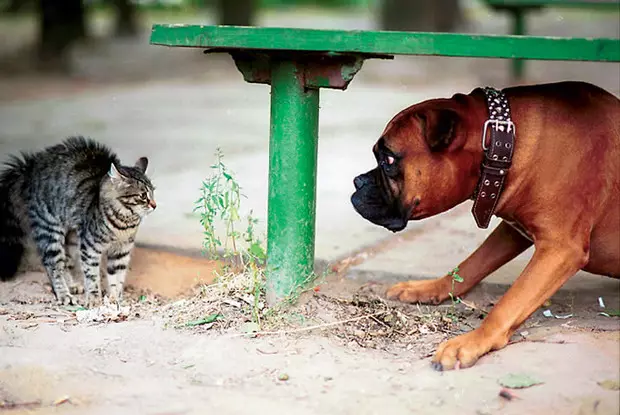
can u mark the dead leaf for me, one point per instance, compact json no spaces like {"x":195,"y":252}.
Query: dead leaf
{"x":22,"y":315}
{"x":249,"y":327}
{"x":518,"y":381}
{"x":103,"y":314}
{"x":612,"y":385}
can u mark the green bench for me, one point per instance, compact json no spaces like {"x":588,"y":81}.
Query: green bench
{"x":519,"y":8}
{"x":297,"y":63}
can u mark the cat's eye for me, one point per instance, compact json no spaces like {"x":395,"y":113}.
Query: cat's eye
{"x":143,"y":196}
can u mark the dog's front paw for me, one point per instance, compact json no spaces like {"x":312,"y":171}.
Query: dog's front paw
{"x":465,"y":350}
{"x":425,"y":291}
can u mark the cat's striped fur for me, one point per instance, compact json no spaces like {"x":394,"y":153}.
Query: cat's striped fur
{"x":78,"y":204}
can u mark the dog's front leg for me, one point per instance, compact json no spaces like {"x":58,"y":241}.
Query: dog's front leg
{"x":501,"y":246}
{"x":552,"y":264}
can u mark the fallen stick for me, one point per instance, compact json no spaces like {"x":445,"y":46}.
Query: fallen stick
{"x":318,"y":326}
{"x":15,"y":405}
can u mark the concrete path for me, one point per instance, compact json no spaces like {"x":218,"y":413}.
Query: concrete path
{"x":178,"y":124}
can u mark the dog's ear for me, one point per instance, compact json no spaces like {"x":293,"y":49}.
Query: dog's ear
{"x":438,"y":128}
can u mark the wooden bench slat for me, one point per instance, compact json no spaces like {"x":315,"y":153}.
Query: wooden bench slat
{"x":390,"y":43}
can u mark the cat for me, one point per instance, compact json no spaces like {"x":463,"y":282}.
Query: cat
{"x":77,"y":203}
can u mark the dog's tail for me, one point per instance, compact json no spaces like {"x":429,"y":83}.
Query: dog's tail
{"x":11,"y":231}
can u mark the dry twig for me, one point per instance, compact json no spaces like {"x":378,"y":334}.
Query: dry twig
{"x":310,"y":328}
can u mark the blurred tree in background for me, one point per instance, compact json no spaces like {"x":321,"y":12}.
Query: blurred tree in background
{"x":14,"y":6}
{"x":126,"y":23}
{"x":421,"y":15}
{"x":237,"y":12}
{"x":405,"y":15}
{"x":63,"y":22}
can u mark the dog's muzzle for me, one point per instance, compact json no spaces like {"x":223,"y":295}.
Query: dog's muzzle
{"x":374,"y":204}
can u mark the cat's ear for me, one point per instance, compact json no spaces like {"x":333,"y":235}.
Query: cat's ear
{"x":142,"y":164}
{"x":113,"y":173}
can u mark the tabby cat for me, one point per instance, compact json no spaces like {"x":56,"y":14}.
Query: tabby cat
{"x":77,"y":203}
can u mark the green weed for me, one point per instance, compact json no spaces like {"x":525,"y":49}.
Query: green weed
{"x":455,"y":300}
{"x":228,"y":236}
{"x":219,"y":205}
{"x":220,"y":199}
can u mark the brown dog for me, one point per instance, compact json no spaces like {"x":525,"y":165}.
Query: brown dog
{"x":561,"y":192}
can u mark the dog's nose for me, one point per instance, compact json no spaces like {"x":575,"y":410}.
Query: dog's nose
{"x":359,"y":182}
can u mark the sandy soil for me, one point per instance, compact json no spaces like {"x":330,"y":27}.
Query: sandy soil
{"x":143,"y":363}
{"x":178,"y":274}
{"x":51,"y":364}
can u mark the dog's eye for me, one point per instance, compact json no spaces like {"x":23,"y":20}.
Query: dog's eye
{"x":387,"y":161}
{"x":388,"y":164}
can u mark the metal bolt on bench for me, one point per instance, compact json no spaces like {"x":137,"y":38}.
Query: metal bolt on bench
{"x":297,"y":63}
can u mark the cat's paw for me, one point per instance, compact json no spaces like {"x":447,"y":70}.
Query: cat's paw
{"x":93,"y":300}
{"x":115,"y":294}
{"x":76,"y":289}
{"x":66,"y":299}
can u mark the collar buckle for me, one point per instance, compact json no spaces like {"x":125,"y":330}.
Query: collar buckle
{"x":507,"y":124}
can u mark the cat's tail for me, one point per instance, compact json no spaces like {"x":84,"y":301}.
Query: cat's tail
{"x":11,"y":232}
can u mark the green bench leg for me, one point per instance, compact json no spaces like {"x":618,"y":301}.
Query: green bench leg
{"x":291,"y":215}
{"x":293,"y":147}
{"x":518,"y":28}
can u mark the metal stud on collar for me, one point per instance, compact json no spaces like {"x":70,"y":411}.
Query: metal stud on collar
{"x":497,"y":156}
{"x":499,"y":114}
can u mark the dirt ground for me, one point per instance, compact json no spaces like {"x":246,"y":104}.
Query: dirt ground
{"x":341,"y":350}
{"x":365,"y":356}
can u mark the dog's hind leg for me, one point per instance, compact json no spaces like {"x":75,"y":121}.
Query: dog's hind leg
{"x":501,"y":246}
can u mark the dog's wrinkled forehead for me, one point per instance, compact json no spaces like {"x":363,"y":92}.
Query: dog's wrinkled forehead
{"x":381,"y":147}
{"x":402,"y":130}
{"x":430,"y":126}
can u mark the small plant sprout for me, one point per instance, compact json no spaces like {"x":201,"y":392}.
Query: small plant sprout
{"x":219,"y":206}
{"x":220,"y":199}
{"x":455,"y":278}
{"x":220,"y":203}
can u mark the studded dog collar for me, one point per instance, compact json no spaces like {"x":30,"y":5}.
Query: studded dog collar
{"x":498,"y":136}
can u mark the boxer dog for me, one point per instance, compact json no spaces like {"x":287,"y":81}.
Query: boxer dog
{"x":544,"y":158}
